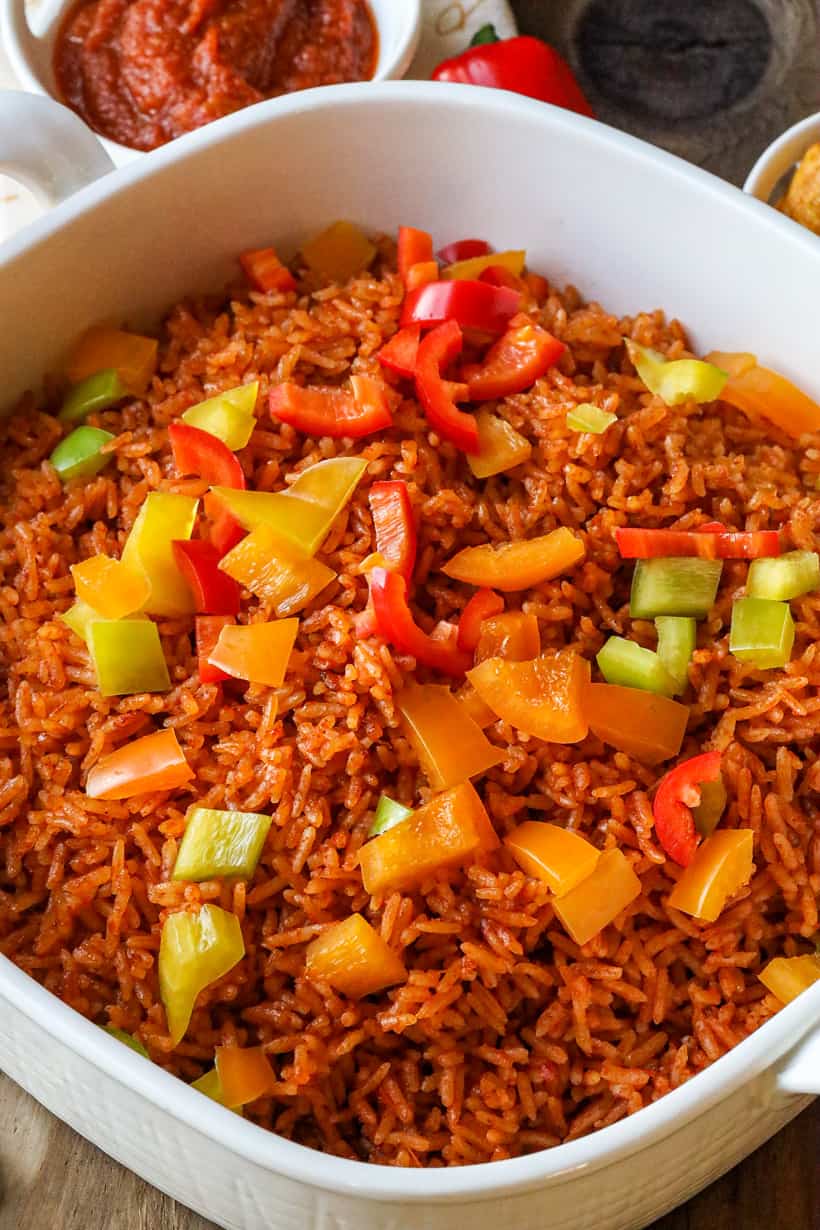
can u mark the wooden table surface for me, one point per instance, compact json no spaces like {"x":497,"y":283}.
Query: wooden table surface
{"x":51,"y":1179}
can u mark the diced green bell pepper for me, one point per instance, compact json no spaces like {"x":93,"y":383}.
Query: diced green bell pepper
{"x":79,"y":455}
{"x":625,"y":663}
{"x":708,"y":811}
{"x":96,"y":392}
{"x":677,"y":637}
{"x":783,"y":577}
{"x":674,"y":586}
{"x":220,"y":843}
{"x":127,"y":656}
{"x":194,"y":951}
{"x":592,"y":419}
{"x":389,"y":813}
{"x":762,"y":632}
{"x":676,"y":380}
{"x":127,"y":1040}
{"x":228,"y":416}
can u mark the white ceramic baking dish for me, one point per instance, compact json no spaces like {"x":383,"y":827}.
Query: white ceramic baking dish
{"x":635,"y":228}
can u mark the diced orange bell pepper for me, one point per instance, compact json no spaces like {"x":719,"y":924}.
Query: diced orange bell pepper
{"x":642,"y":724}
{"x":760,"y":392}
{"x":339,"y":252}
{"x":517,"y":565}
{"x":788,"y":977}
{"x":133,"y":357}
{"x":257,"y":652}
{"x":513,"y":636}
{"x":276,"y":571}
{"x":414,"y":247}
{"x":245,"y":1074}
{"x":479,"y":711}
{"x":451,"y":747}
{"x":449,"y":831}
{"x":353,"y":958}
{"x":500,"y":446}
{"x":721,"y":866}
{"x":598,"y":900}
{"x":542,"y":697}
{"x":153,"y":762}
{"x":421,"y":273}
{"x":264,"y":269}
{"x":547,"y":852}
{"x":112,"y":588}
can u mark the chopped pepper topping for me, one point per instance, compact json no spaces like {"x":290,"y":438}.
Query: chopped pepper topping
{"x":91,"y":395}
{"x":153,"y":762}
{"x":395,"y":622}
{"x":779,"y":580}
{"x":112,"y":588}
{"x":677,"y":380}
{"x":676,"y":586}
{"x":339,"y":252}
{"x":80,"y":454}
{"x":220,"y":843}
{"x":451,"y":747}
{"x":721,"y":866}
{"x":133,"y":357}
{"x":590,"y":419}
{"x":353,"y":958}
{"x":762,"y":632}
{"x":547,"y":852}
{"x":229,"y":416}
{"x":389,"y":813}
{"x":500,"y":446}
{"x":521,"y":356}
{"x":163,"y":518}
{"x":517,"y":565}
{"x":259,"y":653}
{"x":332,"y":412}
{"x":541,"y":698}
{"x":195,"y":950}
{"x":642,"y":724}
{"x":599,"y":899}
{"x":127,"y":656}
{"x":276,"y":571}
{"x":678,"y":794}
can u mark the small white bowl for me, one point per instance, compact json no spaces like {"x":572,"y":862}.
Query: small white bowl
{"x":778,"y":159}
{"x":28,"y":39}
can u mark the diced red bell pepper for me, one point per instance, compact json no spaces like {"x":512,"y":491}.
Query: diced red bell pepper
{"x":497,"y":275}
{"x":483,"y":605}
{"x":414,"y":247}
{"x":677,"y":794}
{"x":463,"y":250}
{"x":215,"y":593}
{"x":401,"y":352}
{"x":434,"y":392}
{"x":207,"y":629}
{"x":224,"y":531}
{"x":333,"y":412}
{"x":477,"y":307}
{"x":396,"y":624}
{"x":198,"y":452}
{"x":708,"y":542}
{"x":265,"y":270}
{"x":514,"y":362}
{"x":395,"y":525}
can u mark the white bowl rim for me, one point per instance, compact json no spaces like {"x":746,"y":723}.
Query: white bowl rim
{"x":264,"y":1148}
{"x":777,"y":158}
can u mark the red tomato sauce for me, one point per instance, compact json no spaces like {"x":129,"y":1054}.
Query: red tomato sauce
{"x":142,"y":72}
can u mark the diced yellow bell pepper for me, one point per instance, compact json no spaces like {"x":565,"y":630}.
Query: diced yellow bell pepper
{"x":164,"y":517}
{"x":598,"y":900}
{"x":276,"y":571}
{"x":257,"y":652}
{"x":112,"y":588}
{"x":220,"y":843}
{"x":195,"y":950}
{"x":547,"y":852}
{"x":132,"y":356}
{"x":500,"y":446}
{"x":353,"y":958}
{"x":676,"y":380}
{"x":451,"y":747}
{"x":229,"y":416}
{"x":304,"y":512}
{"x":449,"y":831}
{"x":517,"y":565}
{"x":339,"y":252}
{"x":469,"y":270}
{"x":542,"y":697}
{"x":722,"y":865}
{"x":244,"y":1074}
{"x":788,"y":977}
{"x":127,"y":656}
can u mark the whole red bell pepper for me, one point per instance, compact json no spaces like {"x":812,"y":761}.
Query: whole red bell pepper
{"x":395,"y":622}
{"x":512,"y":364}
{"x":401,"y":352}
{"x":435,"y":393}
{"x":395,"y":525}
{"x":677,"y":794}
{"x":483,"y":604}
{"x":524,"y":65}
{"x":215,"y":593}
{"x":198,"y":452}
{"x":207,"y":629}
{"x":712,"y":541}
{"x":463,"y":250}
{"x":332,"y":412}
{"x":478,"y":308}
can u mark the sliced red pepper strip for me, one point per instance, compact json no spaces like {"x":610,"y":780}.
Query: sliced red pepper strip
{"x":414,"y":248}
{"x":401,"y":352}
{"x":333,"y":412}
{"x":463,"y":250}
{"x":215,"y":593}
{"x":524,"y":65}
{"x":265,"y":270}
{"x":483,"y":605}
{"x":436,"y":350}
{"x":224,"y":531}
{"x":706,"y":543}
{"x":677,"y":794}
{"x":395,"y":525}
{"x":482,"y":309}
{"x":497,"y":275}
{"x":198,"y":452}
{"x":395,"y":622}
{"x":514,"y":362}
{"x":207,"y":629}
